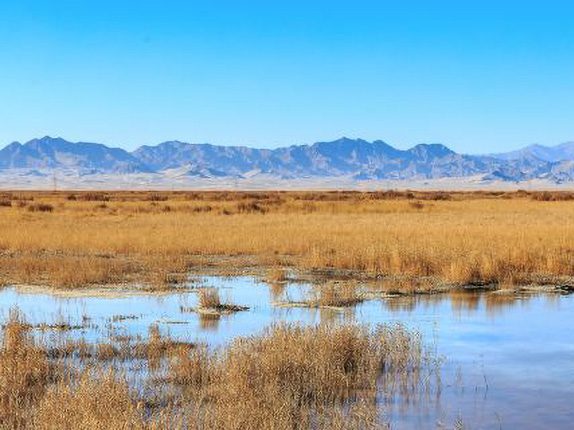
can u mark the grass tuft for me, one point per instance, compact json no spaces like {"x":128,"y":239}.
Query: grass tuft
{"x":209,"y":302}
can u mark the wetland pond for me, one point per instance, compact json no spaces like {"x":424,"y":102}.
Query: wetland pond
{"x":508,"y":359}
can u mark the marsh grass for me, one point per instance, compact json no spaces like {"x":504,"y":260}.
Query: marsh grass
{"x":336,"y":295}
{"x":277,"y":289}
{"x":152,"y":350}
{"x":330,"y":295}
{"x":296,"y":377}
{"x":65,"y":271}
{"x":96,"y":401}
{"x":277,"y":274}
{"x":210,"y":303}
{"x":412,"y":286}
{"x":25,"y":373}
{"x":156,"y":273}
{"x":290,"y":377}
{"x":209,"y":299}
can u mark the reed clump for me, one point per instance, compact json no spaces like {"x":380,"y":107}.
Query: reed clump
{"x":209,"y":302}
{"x":329,"y":295}
{"x":277,"y":274}
{"x":336,"y":295}
{"x":295,"y":377}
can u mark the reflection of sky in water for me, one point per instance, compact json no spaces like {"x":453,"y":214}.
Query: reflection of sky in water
{"x":510,"y":362}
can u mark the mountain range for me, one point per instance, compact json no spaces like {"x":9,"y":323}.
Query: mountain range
{"x":354,"y":158}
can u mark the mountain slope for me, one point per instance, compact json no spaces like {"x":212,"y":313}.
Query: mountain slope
{"x":51,"y":153}
{"x":352,"y":158}
{"x":355,"y":157}
{"x":340,"y":157}
{"x":231,"y":159}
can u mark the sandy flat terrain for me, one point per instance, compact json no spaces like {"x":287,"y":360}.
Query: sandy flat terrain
{"x":10,"y":181}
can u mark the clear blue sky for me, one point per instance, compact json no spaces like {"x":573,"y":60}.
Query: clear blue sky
{"x":478,"y":76}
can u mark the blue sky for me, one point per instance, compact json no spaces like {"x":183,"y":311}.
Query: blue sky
{"x":478,"y":76}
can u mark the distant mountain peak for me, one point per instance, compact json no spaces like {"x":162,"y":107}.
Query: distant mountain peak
{"x":433,"y":150}
{"x":344,"y":157}
{"x":563,"y":151}
{"x":57,"y":153}
{"x":438,"y":147}
{"x":345,"y":139}
{"x":48,"y":138}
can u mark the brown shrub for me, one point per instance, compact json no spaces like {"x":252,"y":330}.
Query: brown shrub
{"x":547,"y":196}
{"x":249,"y":207}
{"x":158,"y":198}
{"x":40,"y":207}
{"x":94,"y":197}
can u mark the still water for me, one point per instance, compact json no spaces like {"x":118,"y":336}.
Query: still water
{"x":509,"y":360}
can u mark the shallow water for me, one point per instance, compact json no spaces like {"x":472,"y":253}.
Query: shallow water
{"x":509,"y":360}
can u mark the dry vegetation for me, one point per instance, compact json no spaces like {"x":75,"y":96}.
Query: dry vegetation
{"x":85,"y":238}
{"x":210,"y":303}
{"x":288,"y":378}
{"x":330,"y":295}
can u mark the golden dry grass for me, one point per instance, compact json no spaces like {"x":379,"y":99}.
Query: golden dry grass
{"x":209,"y":299}
{"x":329,"y":295}
{"x":297,"y":378}
{"x":24,"y":374}
{"x":155,"y":238}
{"x":209,"y":302}
{"x":97,"y":402}
{"x":276,"y":275}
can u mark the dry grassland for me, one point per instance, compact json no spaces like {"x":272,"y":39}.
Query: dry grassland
{"x":80,"y":239}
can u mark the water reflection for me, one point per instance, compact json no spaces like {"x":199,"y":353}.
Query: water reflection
{"x":467,"y":302}
{"x":209,"y":322}
{"x":510,"y":358}
{"x":277,"y":290}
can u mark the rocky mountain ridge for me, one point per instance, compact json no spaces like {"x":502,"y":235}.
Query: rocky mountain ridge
{"x":353,"y":158}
